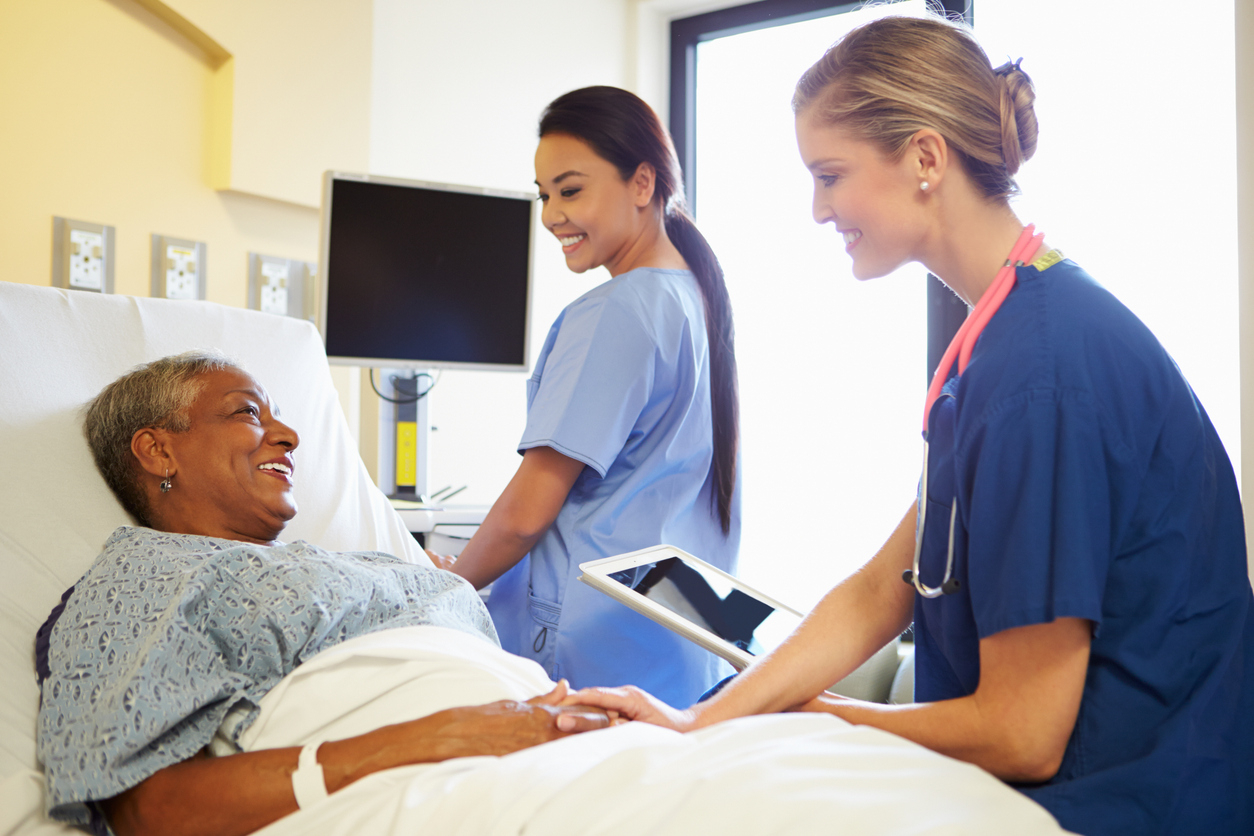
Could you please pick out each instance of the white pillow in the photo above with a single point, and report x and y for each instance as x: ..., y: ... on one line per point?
x: 57, y: 350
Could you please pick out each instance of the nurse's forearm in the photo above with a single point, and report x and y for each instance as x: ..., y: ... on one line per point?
x: 857, y: 618
x: 520, y: 516
x: 1017, y: 723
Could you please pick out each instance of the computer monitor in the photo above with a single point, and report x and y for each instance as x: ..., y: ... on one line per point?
x: 424, y: 275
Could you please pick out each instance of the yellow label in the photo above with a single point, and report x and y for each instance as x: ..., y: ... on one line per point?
x: 406, y: 453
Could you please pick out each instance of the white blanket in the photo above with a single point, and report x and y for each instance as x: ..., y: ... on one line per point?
x: 785, y: 774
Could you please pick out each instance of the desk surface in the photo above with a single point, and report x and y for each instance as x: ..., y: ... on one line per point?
x: 424, y: 520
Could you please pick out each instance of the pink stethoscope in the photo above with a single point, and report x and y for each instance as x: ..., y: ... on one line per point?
x: 960, y: 348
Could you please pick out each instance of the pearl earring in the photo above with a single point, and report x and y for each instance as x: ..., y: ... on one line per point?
x: 923, y: 185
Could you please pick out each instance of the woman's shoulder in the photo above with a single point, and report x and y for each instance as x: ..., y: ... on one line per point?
x: 1060, y: 317
x: 650, y: 296
x: 1064, y: 338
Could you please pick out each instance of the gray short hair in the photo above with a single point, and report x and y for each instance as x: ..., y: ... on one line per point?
x: 158, y: 395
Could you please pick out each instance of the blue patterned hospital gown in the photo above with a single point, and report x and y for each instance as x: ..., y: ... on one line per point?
x: 167, y: 632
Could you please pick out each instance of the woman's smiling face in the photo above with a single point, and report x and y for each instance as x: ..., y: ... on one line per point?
x: 232, y: 469
x: 872, y: 200
x: 588, y: 206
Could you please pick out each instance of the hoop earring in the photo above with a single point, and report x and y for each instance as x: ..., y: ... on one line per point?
x: 166, y: 484
x: 923, y: 185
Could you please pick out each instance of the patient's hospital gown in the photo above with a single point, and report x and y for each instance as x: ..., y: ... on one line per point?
x: 166, y: 633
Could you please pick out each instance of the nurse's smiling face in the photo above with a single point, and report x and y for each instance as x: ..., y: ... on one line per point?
x: 594, y: 213
x: 874, y: 202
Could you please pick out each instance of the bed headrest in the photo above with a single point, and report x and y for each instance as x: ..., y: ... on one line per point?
x: 58, y: 348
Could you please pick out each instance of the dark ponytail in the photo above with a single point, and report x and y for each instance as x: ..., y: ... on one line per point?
x: 625, y: 132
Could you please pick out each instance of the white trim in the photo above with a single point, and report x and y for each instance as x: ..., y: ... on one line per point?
x: 649, y: 45
x: 1244, y: 25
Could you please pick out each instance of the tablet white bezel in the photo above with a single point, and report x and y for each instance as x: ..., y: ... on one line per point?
x: 596, y: 573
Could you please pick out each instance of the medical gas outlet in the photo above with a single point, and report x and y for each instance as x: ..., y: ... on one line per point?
x: 82, y: 255
x: 178, y: 268
x: 282, y: 286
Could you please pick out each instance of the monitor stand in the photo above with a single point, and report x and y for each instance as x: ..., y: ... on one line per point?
x: 404, y: 435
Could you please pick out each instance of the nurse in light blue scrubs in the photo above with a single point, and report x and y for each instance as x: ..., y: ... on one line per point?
x: 631, y: 413
x: 1075, y: 562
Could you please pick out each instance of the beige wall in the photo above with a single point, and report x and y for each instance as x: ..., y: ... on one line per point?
x: 108, y: 114
x: 457, y: 91
x: 299, y: 89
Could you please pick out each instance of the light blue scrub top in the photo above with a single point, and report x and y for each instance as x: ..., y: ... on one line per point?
x: 622, y: 385
x: 1091, y: 484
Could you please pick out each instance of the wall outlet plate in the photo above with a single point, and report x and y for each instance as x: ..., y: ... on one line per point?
x: 82, y: 255
x: 178, y: 268
x: 282, y: 286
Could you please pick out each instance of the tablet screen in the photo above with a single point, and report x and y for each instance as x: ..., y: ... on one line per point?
x: 711, y: 601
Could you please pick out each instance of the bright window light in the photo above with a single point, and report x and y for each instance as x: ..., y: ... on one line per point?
x: 1134, y: 178
x: 1135, y: 174
x: 832, y: 371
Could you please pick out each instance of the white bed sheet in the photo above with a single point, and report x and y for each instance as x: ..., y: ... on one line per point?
x: 784, y: 774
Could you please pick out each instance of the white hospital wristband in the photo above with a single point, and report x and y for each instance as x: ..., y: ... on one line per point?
x: 308, y: 782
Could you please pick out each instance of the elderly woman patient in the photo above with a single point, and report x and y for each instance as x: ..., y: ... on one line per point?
x: 202, y: 611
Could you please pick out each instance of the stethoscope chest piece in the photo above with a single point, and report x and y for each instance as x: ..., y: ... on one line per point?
x: 949, y: 584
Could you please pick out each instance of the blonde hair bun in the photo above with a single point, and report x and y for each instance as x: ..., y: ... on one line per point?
x: 890, y: 78
x: 1018, y: 115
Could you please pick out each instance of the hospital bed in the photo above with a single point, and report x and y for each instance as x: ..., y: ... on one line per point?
x: 777, y: 774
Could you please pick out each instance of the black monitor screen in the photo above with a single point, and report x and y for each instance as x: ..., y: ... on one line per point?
x: 710, y: 601
x: 416, y: 275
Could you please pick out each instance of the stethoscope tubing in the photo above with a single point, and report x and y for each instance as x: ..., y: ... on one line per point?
x: 960, y: 348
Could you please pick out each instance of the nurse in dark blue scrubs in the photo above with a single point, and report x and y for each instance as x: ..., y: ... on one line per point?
x: 1080, y: 593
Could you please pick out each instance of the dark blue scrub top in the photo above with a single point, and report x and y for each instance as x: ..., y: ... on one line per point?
x: 1091, y: 484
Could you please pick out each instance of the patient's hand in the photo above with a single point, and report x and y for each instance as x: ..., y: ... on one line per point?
x: 632, y: 703
x: 186, y: 797
x: 506, y: 726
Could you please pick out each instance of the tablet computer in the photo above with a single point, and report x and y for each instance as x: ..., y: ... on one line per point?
x: 695, y: 599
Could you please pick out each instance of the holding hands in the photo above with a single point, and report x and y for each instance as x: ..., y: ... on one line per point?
x: 628, y: 702
x: 442, y: 561
x: 502, y: 727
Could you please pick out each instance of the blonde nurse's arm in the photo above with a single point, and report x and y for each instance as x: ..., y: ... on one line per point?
x: 1017, y: 723
x: 522, y: 513
x: 857, y: 618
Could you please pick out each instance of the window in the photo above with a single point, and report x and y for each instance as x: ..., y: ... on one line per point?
x: 1132, y: 179
x: 832, y: 371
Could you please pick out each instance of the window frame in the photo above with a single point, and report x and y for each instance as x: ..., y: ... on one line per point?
x: 945, y: 311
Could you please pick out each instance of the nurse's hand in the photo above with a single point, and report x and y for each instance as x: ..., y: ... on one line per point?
x: 442, y: 561
x: 572, y: 716
x: 632, y: 703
